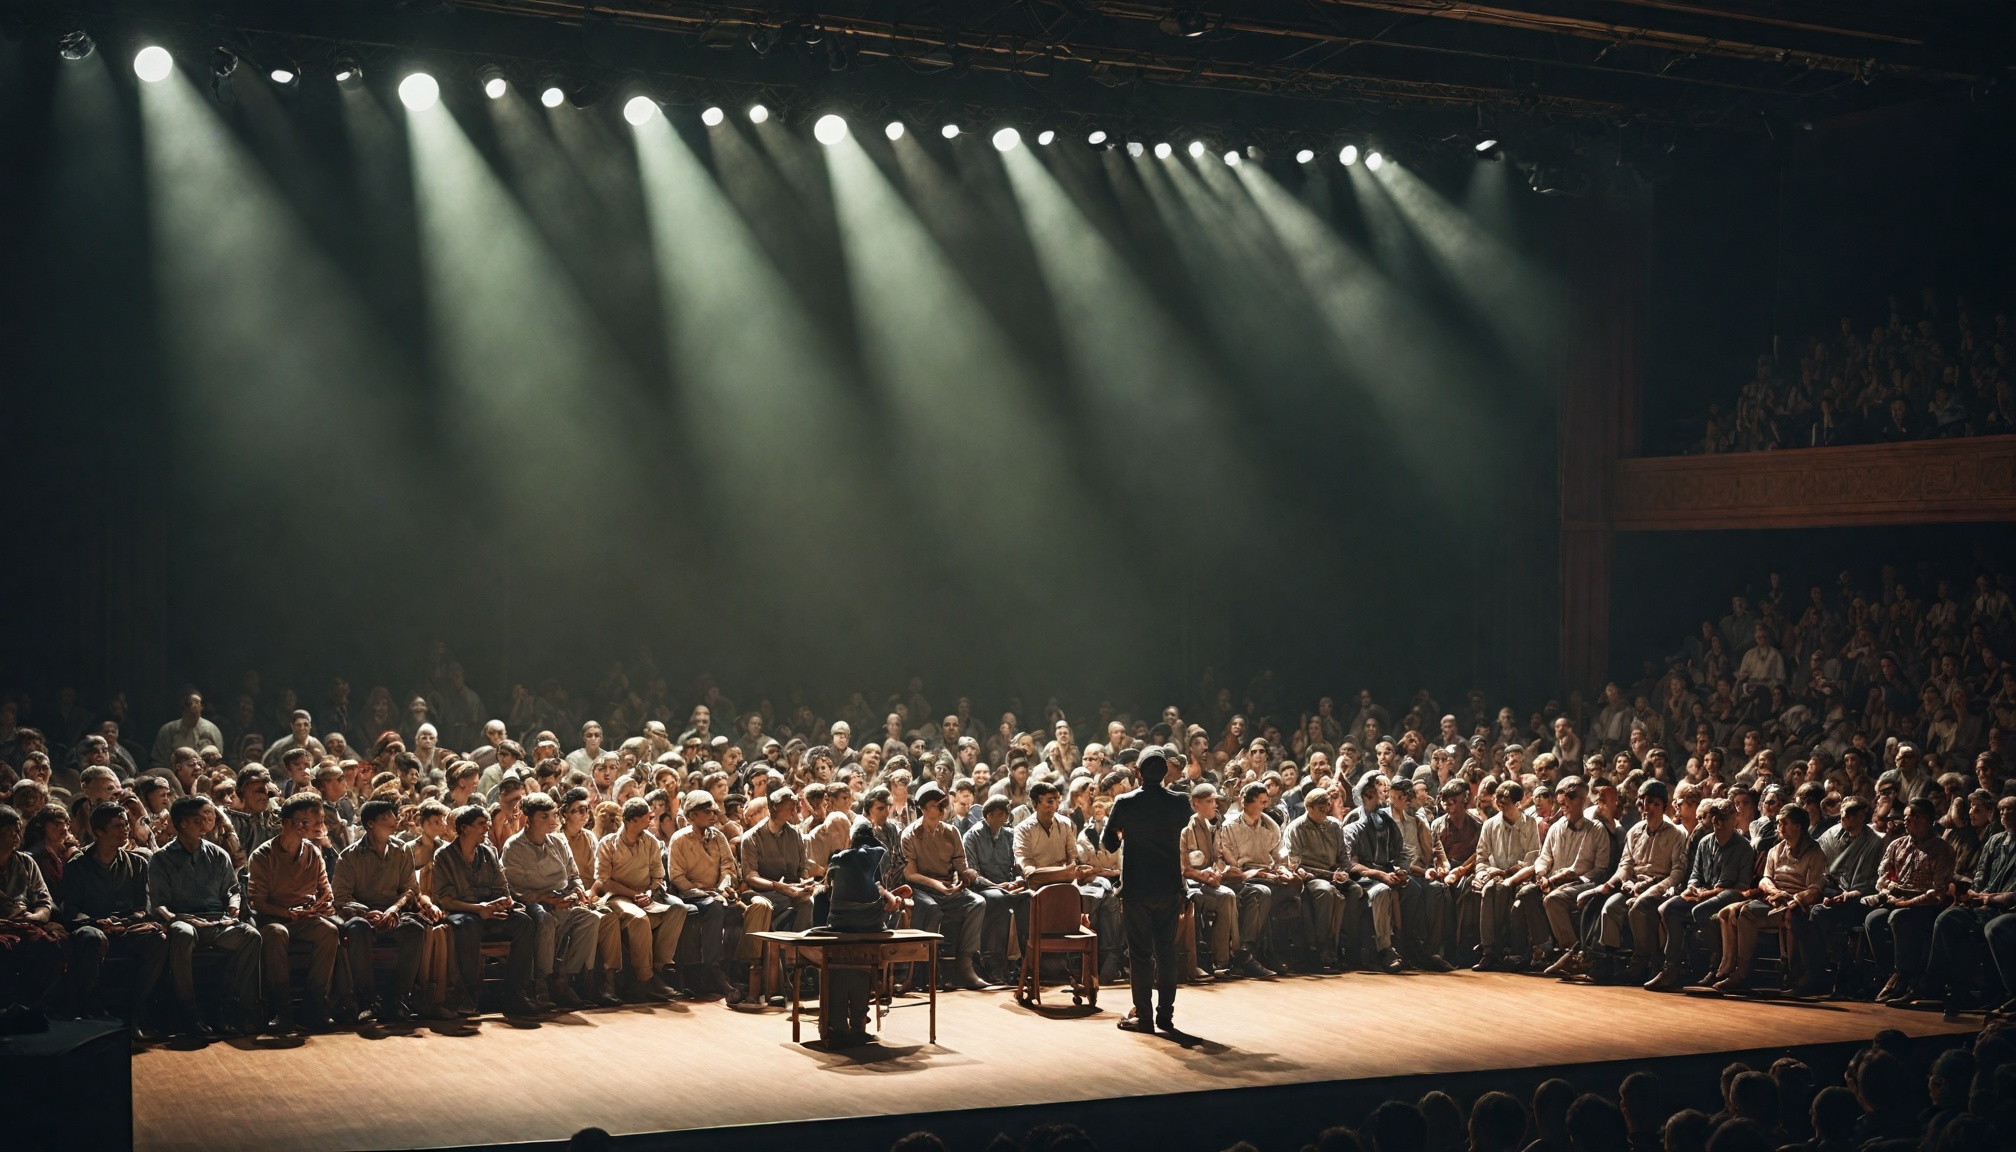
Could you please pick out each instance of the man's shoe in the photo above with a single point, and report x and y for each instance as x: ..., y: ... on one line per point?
x: 1567, y: 964
x: 598, y: 988
x: 281, y: 1024
x: 1733, y: 984
x: 1486, y: 962
x: 1389, y: 960
x: 1668, y: 980
x: 1109, y: 970
x: 394, y: 1012
x: 1133, y: 1023
x: 969, y: 977
x: 1256, y: 970
x: 1165, y: 1025
x: 519, y: 1008
x: 1893, y: 989
x: 1433, y: 963
x: 1199, y: 976
x: 652, y: 989
x: 1328, y: 963
x: 564, y: 997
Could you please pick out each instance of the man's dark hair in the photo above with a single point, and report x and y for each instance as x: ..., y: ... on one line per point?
x: 1337, y: 1138
x: 1551, y: 1101
x: 103, y: 814
x: 187, y: 808
x: 1040, y: 789
x: 1397, y: 1127
x: 1686, y: 1131
x: 1740, y: 1136
x: 1642, y: 1098
x: 1754, y: 1096
x: 1497, y: 1122
x: 1001, y: 803
x: 298, y: 803
x: 375, y: 810
x: 468, y: 814
x: 1596, y: 1125
x: 1834, y: 1113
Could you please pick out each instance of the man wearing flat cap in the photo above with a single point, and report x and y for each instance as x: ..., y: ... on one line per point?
x: 700, y: 870
x: 941, y: 882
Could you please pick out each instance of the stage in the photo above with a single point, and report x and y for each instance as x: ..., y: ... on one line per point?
x: 685, y: 1067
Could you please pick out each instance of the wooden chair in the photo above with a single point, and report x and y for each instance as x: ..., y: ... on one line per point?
x: 1057, y: 926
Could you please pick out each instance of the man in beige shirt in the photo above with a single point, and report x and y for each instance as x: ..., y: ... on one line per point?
x: 630, y: 872
x: 287, y: 886
x: 700, y: 871
x: 941, y: 883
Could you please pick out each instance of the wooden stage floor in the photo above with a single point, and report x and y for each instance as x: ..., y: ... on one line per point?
x: 641, y: 1069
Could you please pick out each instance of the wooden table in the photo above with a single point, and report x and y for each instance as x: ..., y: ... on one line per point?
x: 875, y: 952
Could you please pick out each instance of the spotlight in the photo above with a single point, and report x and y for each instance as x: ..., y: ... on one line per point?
x: 950, y: 131
x: 1231, y: 159
x: 153, y: 64
x: 1006, y: 139
x: 894, y: 130
x: 284, y: 77
x: 552, y: 97
x: 1135, y: 149
x: 223, y: 62
x: 1196, y: 149
x: 758, y: 114
x: 639, y: 109
x: 1374, y: 161
x: 1304, y: 156
x: 1045, y: 137
x: 829, y: 129
x: 1349, y: 155
x: 1097, y: 138
x: 419, y: 91
x: 75, y: 45
x: 1486, y: 144
x: 495, y: 87
x: 346, y: 70
x: 1163, y: 151
x: 713, y: 117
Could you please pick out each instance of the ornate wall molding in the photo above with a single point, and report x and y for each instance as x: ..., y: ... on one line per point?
x: 1918, y: 482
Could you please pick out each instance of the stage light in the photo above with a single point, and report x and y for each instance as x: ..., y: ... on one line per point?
x: 1006, y: 139
x: 1196, y: 149
x: 1374, y: 161
x: 223, y: 62
x: 1097, y: 138
x: 894, y: 130
x: 1135, y: 149
x: 829, y: 129
x: 1045, y: 137
x: 758, y: 114
x: 419, y: 91
x: 639, y: 109
x: 346, y: 70
x: 153, y: 64
x: 1304, y: 156
x: 1163, y: 151
x: 713, y: 117
x: 495, y: 87
x: 552, y: 97
x: 1231, y: 159
x: 950, y: 131
x: 1485, y: 145
x: 285, y: 77
x: 1349, y: 155
x: 75, y: 45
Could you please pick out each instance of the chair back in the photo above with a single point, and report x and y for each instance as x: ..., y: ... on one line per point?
x: 1055, y: 910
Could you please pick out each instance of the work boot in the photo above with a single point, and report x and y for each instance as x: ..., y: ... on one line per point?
x: 651, y: 988
x: 1568, y: 964
x: 969, y: 979
x: 1669, y: 979
x: 598, y: 987
x: 564, y: 997
x: 1389, y: 960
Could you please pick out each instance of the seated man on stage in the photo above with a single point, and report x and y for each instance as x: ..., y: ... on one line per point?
x: 1718, y: 876
x: 1913, y: 885
x: 990, y: 852
x: 859, y: 904
x: 1316, y: 852
x: 1794, y: 878
x: 1650, y: 868
x: 1256, y: 865
x: 1205, y: 871
x: 540, y: 866
x: 1983, y: 915
x: 1422, y: 930
x: 1456, y: 833
x: 1573, y: 859
x: 700, y: 870
x: 377, y: 893
x: 775, y: 863
x: 941, y: 883
x: 470, y: 886
x: 1046, y: 848
x: 630, y: 873
x: 1507, y: 846
x: 287, y: 886
x: 103, y: 896
x: 193, y: 888
x: 1853, y: 851
x: 1377, y: 855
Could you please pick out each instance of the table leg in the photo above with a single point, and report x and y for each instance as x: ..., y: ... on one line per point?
x: 794, y: 995
x: 934, y: 992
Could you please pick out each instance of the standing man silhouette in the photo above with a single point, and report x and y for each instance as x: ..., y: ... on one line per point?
x: 1148, y: 822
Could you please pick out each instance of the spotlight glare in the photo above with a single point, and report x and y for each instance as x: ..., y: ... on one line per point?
x: 1486, y: 145
x: 75, y: 45
x: 1045, y: 137
x: 1135, y: 149
x: 1349, y: 155
x: 1006, y: 139
x: 552, y: 97
x: 347, y: 71
x: 639, y: 109
x: 950, y: 131
x: 1196, y: 149
x: 829, y: 129
x: 1374, y: 161
x: 344, y: 75
x: 1231, y: 159
x: 419, y: 91
x: 282, y: 76
x: 1304, y: 156
x: 1163, y: 151
x: 1097, y: 138
x: 495, y: 87
x: 713, y: 117
x: 893, y: 130
x: 758, y: 114
x: 153, y: 64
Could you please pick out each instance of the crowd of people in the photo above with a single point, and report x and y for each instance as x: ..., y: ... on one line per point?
x: 1828, y: 773
x: 1967, y: 1103
x: 1935, y: 373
